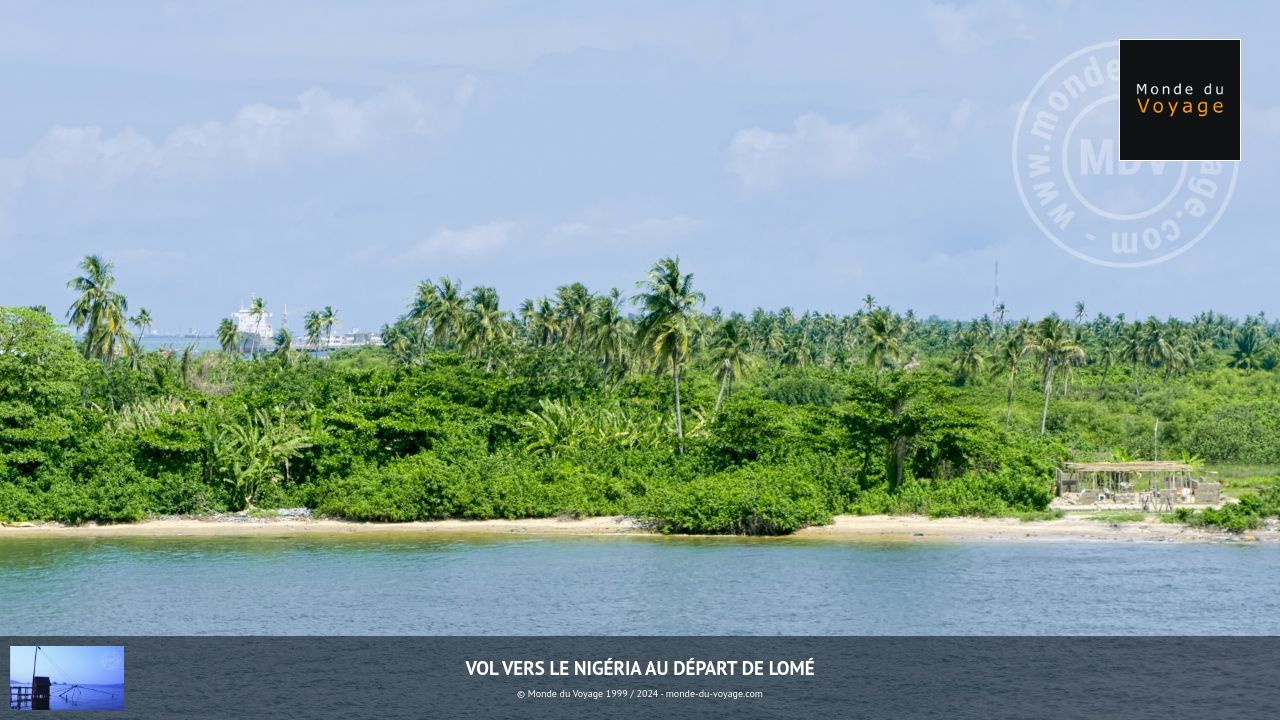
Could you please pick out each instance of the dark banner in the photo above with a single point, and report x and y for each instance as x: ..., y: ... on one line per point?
x: 680, y: 677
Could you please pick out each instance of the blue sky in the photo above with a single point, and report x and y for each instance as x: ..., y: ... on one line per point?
x: 800, y: 154
x: 76, y: 664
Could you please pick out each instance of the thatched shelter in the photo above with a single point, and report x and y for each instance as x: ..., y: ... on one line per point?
x: 1172, y: 481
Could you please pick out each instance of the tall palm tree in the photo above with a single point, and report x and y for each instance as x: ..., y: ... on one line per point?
x: 608, y: 331
x: 142, y: 321
x: 574, y: 304
x: 1011, y: 350
x: 1052, y: 341
x: 883, y: 334
x: 422, y: 309
x: 542, y: 324
x: 313, y: 325
x: 328, y: 319
x: 228, y: 336
x: 485, y: 324
x: 258, y: 310
x: 99, y: 310
x: 1134, y: 349
x: 668, y: 304
x: 448, y: 313
x: 731, y: 355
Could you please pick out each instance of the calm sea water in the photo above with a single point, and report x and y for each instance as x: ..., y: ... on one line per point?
x: 85, y: 697
x: 499, y: 586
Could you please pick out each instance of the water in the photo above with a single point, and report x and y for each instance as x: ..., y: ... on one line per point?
x: 631, y: 585
x: 84, y: 697
x: 178, y: 344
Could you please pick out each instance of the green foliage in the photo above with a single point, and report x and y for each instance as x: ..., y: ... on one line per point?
x: 742, y: 501
x: 1247, y: 514
x: 40, y: 385
x: 701, y: 422
x: 976, y: 494
x: 805, y: 390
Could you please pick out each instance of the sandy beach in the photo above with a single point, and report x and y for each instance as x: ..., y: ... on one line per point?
x: 872, y: 528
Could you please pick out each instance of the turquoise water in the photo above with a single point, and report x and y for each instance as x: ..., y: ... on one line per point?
x: 629, y: 585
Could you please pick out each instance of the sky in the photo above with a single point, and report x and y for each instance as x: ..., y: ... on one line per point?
x: 791, y: 154
x: 76, y: 664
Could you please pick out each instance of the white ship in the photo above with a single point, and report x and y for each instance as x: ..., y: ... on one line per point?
x: 254, y: 328
x: 257, y: 332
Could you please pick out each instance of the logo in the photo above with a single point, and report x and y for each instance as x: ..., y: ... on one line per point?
x: 1180, y: 100
x: 1082, y: 196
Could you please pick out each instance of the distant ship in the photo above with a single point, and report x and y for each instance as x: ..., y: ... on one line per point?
x: 257, y: 331
x: 254, y: 328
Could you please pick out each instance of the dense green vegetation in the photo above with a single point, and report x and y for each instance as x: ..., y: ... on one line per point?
x: 586, y: 404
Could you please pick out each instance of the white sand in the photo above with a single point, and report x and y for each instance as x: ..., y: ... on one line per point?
x: 911, y: 528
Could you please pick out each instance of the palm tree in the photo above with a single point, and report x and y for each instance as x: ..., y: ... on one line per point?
x: 484, y: 324
x: 313, y: 325
x: 1134, y: 349
x: 883, y: 333
x: 574, y: 304
x: 970, y: 360
x: 99, y: 310
x: 1011, y: 350
x: 228, y: 336
x: 1080, y: 311
x: 1251, y: 347
x: 730, y: 353
x: 283, y: 350
x: 668, y: 304
x: 448, y: 313
x: 1052, y: 341
x: 422, y: 309
x: 608, y: 330
x: 541, y: 322
x: 142, y: 321
x: 328, y: 318
x: 258, y: 311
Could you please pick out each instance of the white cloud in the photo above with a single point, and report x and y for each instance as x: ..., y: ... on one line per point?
x: 954, y: 27
x: 817, y: 147
x: 647, y: 229
x: 476, y: 241
x: 257, y: 135
x: 962, y: 28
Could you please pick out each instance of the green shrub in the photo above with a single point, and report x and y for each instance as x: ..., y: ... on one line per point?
x: 978, y: 494
x: 742, y: 501
x: 1248, y: 514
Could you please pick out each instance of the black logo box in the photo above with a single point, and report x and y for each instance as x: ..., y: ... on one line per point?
x: 1186, y: 67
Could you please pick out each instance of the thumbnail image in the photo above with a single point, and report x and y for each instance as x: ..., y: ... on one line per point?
x: 66, y: 677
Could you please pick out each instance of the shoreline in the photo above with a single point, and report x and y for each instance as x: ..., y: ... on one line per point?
x: 850, y: 528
